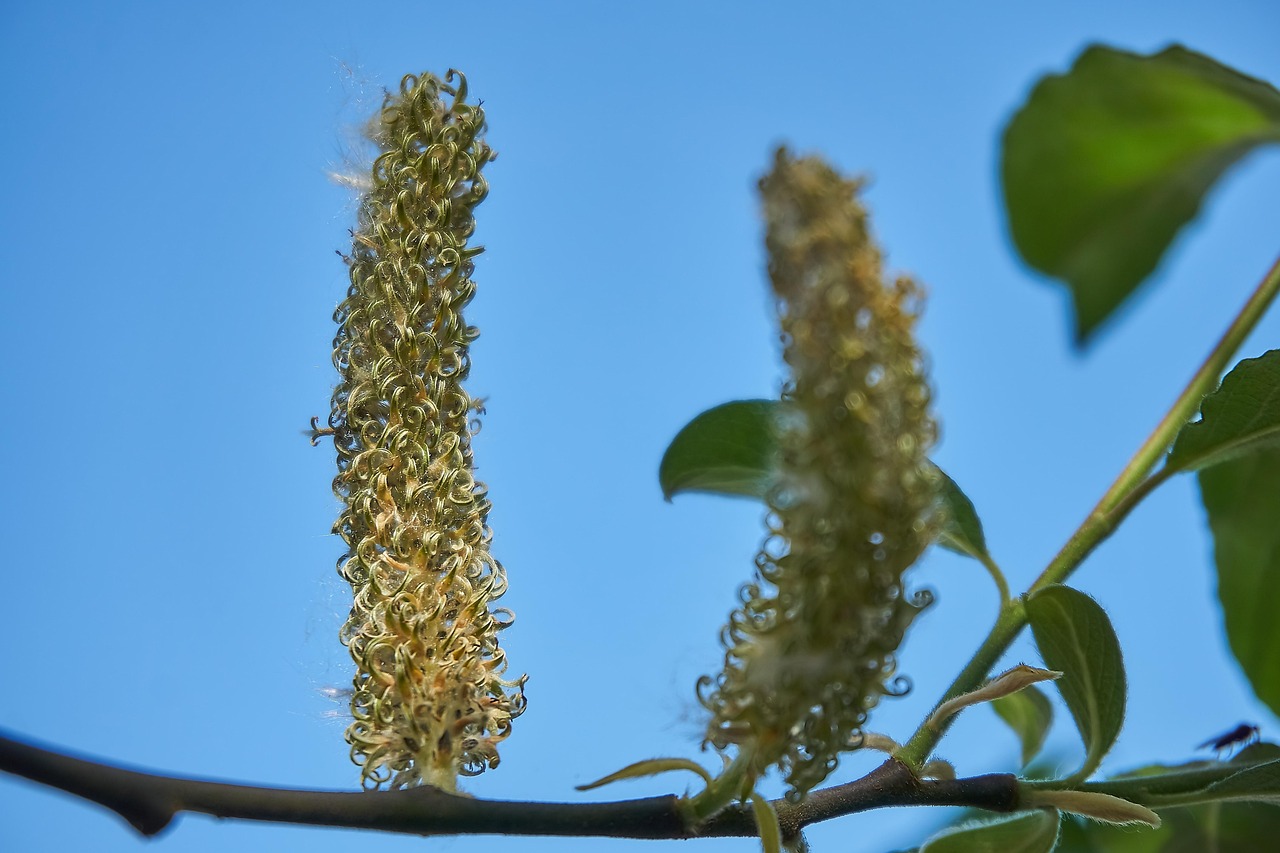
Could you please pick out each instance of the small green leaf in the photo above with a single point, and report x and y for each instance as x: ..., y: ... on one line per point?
x: 727, y: 450
x: 649, y: 767
x: 1242, y: 500
x: 1074, y: 635
x: 1006, y: 683
x: 1030, y: 832
x: 1030, y: 714
x: 732, y: 449
x: 1241, y: 417
x: 962, y: 531
x: 1104, y: 165
x: 767, y: 824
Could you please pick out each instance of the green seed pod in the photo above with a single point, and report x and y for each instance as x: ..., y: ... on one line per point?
x: 811, y: 648
x: 430, y: 700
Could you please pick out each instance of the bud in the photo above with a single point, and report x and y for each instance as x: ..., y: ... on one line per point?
x: 429, y: 700
x: 811, y: 649
x: 1090, y: 804
x: 1007, y: 683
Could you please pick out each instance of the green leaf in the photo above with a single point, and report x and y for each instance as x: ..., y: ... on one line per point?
x: 1257, y: 753
x: 1075, y: 636
x: 1030, y: 832
x: 732, y: 449
x: 767, y: 824
x: 728, y: 450
x: 1242, y: 500
x: 1196, y: 824
x: 1162, y: 786
x: 1259, y: 783
x: 1105, y: 164
x: 1220, y: 807
x: 962, y: 530
x: 1080, y: 835
x: 1241, y: 417
x: 1219, y: 827
x: 648, y: 767
x: 1030, y: 714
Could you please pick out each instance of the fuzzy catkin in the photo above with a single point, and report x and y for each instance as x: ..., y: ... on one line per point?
x: 811, y: 648
x: 430, y: 700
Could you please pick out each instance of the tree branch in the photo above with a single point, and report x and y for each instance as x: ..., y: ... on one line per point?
x: 149, y: 802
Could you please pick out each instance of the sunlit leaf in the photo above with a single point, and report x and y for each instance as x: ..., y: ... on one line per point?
x: 1075, y: 636
x: 1030, y: 714
x: 1241, y: 417
x: 1242, y: 500
x: 1105, y: 164
x: 1030, y: 832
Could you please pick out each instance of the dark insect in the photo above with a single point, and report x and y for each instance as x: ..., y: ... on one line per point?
x: 1245, y: 733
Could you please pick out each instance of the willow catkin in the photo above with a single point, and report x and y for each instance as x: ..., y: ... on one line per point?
x: 430, y: 700
x: 811, y: 648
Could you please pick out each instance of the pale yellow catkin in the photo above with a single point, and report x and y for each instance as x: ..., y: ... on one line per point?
x: 811, y: 648
x: 430, y: 698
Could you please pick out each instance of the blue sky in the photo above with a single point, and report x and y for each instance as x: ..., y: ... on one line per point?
x: 169, y: 277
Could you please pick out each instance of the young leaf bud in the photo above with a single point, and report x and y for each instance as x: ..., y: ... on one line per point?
x: 1006, y: 683
x: 1091, y: 804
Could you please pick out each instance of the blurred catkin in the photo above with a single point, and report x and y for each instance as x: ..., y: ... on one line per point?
x: 811, y: 648
x: 430, y: 700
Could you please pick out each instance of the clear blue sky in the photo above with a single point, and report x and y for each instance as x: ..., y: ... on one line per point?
x: 168, y: 279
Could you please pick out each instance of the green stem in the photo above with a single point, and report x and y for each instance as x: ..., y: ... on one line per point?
x: 993, y: 569
x: 1130, y: 487
x: 1010, y: 621
x: 1114, y: 505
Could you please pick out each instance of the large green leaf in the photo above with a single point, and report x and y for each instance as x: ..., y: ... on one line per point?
x: 1241, y: 417
x: 1030, y: 714
x: 1242, y: 499
x: 1075, y: 636
x: 1031, y: 832
x: 732, y: 449
x: 1103, y: 165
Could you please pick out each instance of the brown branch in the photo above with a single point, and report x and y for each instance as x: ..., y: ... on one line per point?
x: 149, y: 802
